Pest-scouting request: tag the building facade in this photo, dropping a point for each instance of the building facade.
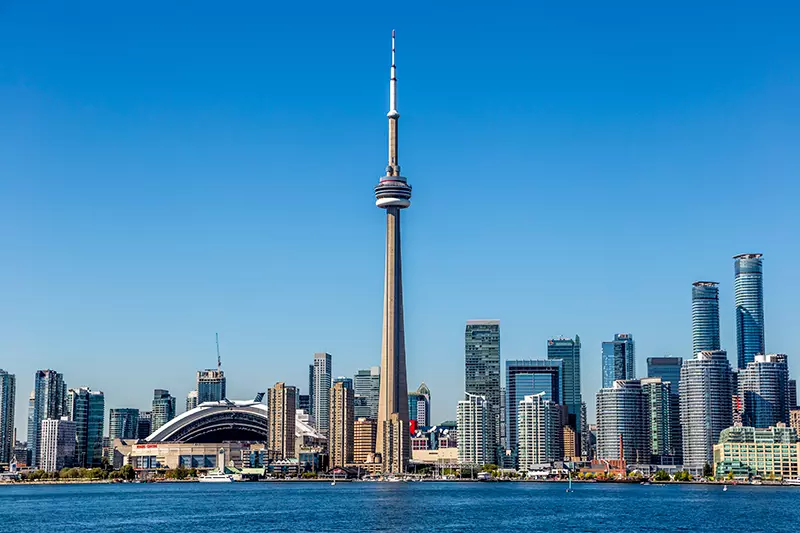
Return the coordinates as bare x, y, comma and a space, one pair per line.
792, 394
145, 426
662, 414
619, 359
364, 434
794, 420
705, 406
367, 385
667, 368
86, 409
419, 406
482, 371
210, 385
569, 352
191, 400
763, 386
163, 409
57, 444
473, 419
320, 395
123, 424
282, 405
341, 439
49, 401
8, 391
705, 316
622, 423
748, 288
539, 430
770, 453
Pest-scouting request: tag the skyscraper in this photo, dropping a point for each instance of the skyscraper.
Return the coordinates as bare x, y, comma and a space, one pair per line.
145, 426
619, 359
367, 385
210, 385
482, 371
340, 441
393, 194
662, 417
622, 425
539, 430
705, 405
705, 316
569, 351
473, 422
321, 386
311, 390
419, 406
86, 408
163, 409
749, 296
49, 402
526, 378
764, 390
281, 403
57, 445
123, 424
364, 433
792, 393
191, 400
8, 390
667, 368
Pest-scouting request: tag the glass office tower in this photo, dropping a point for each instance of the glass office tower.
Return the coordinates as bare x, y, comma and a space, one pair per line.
749, 297
705, 316
619, 359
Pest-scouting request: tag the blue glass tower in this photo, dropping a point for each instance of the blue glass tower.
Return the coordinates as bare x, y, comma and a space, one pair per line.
619, 360
749, 296
528, 377
705, 316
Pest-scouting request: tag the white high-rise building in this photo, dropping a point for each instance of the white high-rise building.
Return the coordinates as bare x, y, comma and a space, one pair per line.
320, 394
622, 423
57, 444
473, 419
539, 431
191, 400
764, 390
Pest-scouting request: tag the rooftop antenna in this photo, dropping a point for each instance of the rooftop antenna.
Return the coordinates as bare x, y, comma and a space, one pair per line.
219, 361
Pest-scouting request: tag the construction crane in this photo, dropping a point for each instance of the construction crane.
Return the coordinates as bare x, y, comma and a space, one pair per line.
219, 361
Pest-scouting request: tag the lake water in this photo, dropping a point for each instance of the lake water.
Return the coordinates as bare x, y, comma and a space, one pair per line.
416, 507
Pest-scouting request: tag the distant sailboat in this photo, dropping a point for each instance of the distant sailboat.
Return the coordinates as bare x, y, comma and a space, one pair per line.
725, 488
569, 488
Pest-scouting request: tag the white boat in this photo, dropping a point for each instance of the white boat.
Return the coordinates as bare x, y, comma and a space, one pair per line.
216, 477
791, 481
725, 488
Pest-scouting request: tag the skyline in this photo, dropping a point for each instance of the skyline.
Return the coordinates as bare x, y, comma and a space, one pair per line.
190, 236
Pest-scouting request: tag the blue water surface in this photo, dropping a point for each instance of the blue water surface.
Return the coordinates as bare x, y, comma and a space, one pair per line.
414, 507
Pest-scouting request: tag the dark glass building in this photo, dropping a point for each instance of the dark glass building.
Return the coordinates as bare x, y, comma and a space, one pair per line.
667, 368
482, 369
619, 359
749, 296
568, 351
705, 316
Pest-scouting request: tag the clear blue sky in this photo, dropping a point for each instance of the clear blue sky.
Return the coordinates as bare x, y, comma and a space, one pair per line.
167, 172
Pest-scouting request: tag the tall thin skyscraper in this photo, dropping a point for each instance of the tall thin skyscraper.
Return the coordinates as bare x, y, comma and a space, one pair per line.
367, 385
49, 402
86, 408
764, 390
569, 351
321, 386
393, 194
163, 409
661, 417
749, 296
123, 424
705, 316
311, 389
282, 404
792, 394
619, 359
482, 371
8, 390
340, 441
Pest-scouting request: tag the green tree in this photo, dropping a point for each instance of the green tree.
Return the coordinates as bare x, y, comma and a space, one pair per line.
127, 473
661, 475
707, 471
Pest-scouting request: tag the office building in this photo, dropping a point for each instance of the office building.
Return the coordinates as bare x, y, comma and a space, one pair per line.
311, 392
705, 406
145, 426
21, 454
123, 424
540, 432
364, 434
525, 378
347, 382
191, 400
473, 421
792, 393
569, 352
163, 409
667, 368
321, 386
763, 386
86, 408
619, 359
419, 406
662, 416
482, 371
341, 440
304, 402
210, 385
282, 405
49, 401
705, 316
57, 444
8, 390
794, 420
749, 297
770, 453
584, 435
367, 385
622, 424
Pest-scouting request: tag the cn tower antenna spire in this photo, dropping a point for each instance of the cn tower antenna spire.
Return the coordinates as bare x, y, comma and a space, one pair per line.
393, 87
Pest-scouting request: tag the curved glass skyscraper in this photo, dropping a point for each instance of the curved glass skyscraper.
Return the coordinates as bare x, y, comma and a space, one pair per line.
749, 296
705, 316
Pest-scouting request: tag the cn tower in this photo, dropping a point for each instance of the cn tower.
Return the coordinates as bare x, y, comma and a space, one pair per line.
393, 193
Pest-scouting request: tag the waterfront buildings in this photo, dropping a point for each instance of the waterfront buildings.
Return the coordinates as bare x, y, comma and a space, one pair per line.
622, 423
539, 431
210, 385
569, 352
21, 454
667, 368
86, 408
340, 437
123, 424
57, 444
367, 386
419, 406
619, 360
771, 453
8, 390
145, 425
364, 433
320, 392
282, 405
49, 401
705, 316
705, 405
662, 417
191, 400
764, 389
482, 370
527, 377
163, 409
473, 420
749, 297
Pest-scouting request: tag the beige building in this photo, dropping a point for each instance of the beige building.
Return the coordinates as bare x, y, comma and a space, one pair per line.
771, 453
794, 420
364, 433
568, 434
282, 402
340, 430
441, 456
149, 457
